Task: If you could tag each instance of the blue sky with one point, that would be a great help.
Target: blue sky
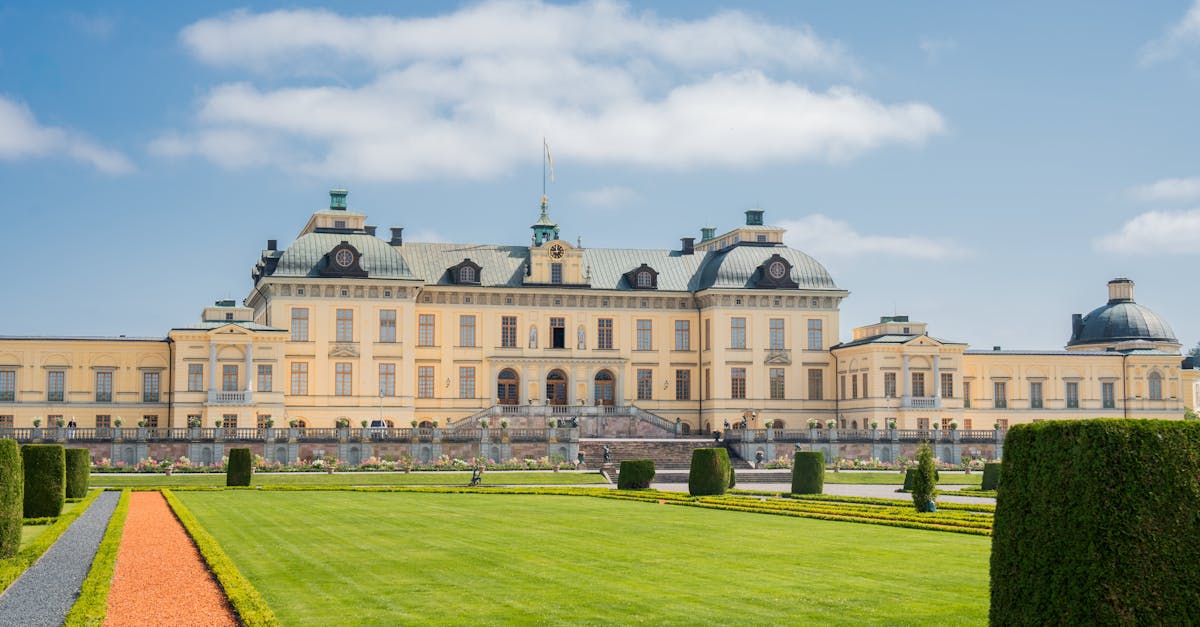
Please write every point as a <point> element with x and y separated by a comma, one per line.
<point>982,167</point>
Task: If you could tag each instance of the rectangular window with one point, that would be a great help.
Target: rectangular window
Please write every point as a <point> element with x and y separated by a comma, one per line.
<point>466,331</point>
<point>195,381</point>
<point>387,379</point>
<point>192,419</point>
<point>299,324</point>
<point>1108,394</point>
<point>1000,392</point>
<point>604,334</point>
<point>1035,394</point>
<point>266,378</point>
<point>103,421</point>
<point>918,384</point>
<point>1155,385</point>
<point>737,333</point>
<point>425,330</point>
<point>424,381</point>
<point>300,378</point>
<point>104,387</point>
<point>645,384</point>
<point>737,383</point>
<point>707,383</point>
<point>151,421</point>
<point>816,384</point>
<point>864,386</point>
<point>8,385</point>
<point>387,325</point>
<point>683,335</point>
<point>923,424</point>
<point>508,331</point>
<point>343,379</point>
<point>229,378</point>
<point>708,335</point>
<point>966,394</point>
<point>56,382</point>
<point>842,386</point>
<point>150,388</point>
<point>262,420</point>
<point>644,331</point>
<point>854,386</point>
<point>1072,395</point>
<point>947,385</point>
<point>683,385</point>
<point>556,273</point>
<point>558,332</point>
<point>229,421</point>
<point>775,340</point>
<point>466,381</point>
<point>967,424</point>
<point>777,387</point>
<point>815,341</point>
<point>6,422</point>
<point>889,384</point>
<point>345,325</point>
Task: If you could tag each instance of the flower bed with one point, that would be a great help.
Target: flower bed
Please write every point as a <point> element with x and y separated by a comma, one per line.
<point>372,464</point>
<point>785,463</point>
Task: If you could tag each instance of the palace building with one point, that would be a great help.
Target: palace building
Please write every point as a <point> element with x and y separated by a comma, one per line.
<point>344,325</point>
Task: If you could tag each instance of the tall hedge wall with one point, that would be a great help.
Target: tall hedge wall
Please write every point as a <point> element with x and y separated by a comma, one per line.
<point>635,474</point>
<point>237,472</point>
<point>79,472</point>
<point>45,479</point>
<point>709,473</point>
<point>991,476</point>
<point>1096,523</point>
<point>12,497</point>
<point>808,472</point>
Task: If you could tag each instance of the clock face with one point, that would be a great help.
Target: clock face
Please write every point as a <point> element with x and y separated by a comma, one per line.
<point>557,251</point>
<point>777,270</point>
<point>344,258</point>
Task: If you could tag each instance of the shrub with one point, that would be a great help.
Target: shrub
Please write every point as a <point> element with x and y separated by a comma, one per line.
<point>991,476</point>
<point>12,497</point>
<point>808,472</point>
<point>924,487</point>
<point>635,474</point>
<point>238,470</point>
<point>1096,524</point>
<point>45,479</point>
<point>910,476</point>
<point>79,471</point>
<point>709,473</point>
<point>732,477</point>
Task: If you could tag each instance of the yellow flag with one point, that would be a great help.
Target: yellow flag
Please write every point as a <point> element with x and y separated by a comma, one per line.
<point>549,160</point>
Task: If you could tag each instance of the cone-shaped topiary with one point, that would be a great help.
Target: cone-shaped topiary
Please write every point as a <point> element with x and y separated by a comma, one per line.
<point>732,476</point>
<point>709,473</point>
<point>237,473</point>
<point>991,476</point>
<point>924,488</point>
<point>910,476</point>
<point>45,479</point>
<point>635,474</point>
<point>79,472</point>
<point>12,497</point>
<point>808,472</point>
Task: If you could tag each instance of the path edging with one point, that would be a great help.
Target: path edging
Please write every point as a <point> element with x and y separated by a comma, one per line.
<point>12,568</point>
<point>91,607</point>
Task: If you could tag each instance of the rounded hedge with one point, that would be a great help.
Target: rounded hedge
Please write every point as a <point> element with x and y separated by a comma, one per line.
<point>991,476</point>
<point>12,497</point>
<point>237,472</point>
<point>709,474</point>
<point>45,479</point>
<point>808,472</point>
<point>1096,524</point>
<point>79,472</point>
<point>635,474</point>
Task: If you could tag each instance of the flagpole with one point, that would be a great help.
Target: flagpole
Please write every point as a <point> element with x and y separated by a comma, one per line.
<point>543,166</point>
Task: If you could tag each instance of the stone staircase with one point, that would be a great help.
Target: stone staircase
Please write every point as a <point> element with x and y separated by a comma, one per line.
<point>666,453</point>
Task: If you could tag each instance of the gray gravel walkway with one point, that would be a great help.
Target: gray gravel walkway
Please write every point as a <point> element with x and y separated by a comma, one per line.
<point>45,593</point>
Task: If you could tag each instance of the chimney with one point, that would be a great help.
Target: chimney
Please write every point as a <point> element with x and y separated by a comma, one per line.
<point>1076,325</point>
<point>687,245</point>
<point>754,217</point>
<point>272,244</point>
<point>337,199</point>
<point>397,236</point>
<point>707,233</point>
<point>370,229</point>
<point>1120,290</point>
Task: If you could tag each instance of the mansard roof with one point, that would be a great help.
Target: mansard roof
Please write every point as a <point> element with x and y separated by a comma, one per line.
<point>306,256</point>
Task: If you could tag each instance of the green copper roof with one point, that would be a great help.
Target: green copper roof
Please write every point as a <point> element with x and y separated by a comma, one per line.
<point>305,256</point>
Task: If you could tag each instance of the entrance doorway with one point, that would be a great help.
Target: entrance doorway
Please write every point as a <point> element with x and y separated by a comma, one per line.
<point>556,387</point>
<point>603,388</point>
<point>506,387</point>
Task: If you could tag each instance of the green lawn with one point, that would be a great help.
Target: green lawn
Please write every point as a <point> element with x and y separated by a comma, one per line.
<point>30,532</point>
<point>323,558</point>
<point>881,477</point>
<point>529,477</point>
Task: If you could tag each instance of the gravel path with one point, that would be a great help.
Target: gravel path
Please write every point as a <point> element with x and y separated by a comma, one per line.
<point>160,577</point>
<point>45,593</point>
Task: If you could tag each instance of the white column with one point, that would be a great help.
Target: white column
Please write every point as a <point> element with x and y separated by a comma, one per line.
<point>906,383</point>
<point>212,368</point>
<point>249,367</point>
<point>937,381</point>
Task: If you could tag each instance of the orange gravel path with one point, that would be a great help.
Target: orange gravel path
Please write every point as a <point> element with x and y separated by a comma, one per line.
<point>160,578</point>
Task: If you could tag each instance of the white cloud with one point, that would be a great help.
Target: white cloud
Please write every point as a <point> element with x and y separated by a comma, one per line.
<point>609,197</point>
<point>1179,36</point>
<point>470,94</point>
<point>1169,190</point>
<point>1155,232</point>
<point>824,237</point>
<point>21,137</point>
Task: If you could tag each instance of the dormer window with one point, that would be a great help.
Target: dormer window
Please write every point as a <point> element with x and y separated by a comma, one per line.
<point>344,260</point>
<point>644,280</point>
<point>776,272</point>
<point>466,275</point>
<point>466,272</point>
<point>642,277</point>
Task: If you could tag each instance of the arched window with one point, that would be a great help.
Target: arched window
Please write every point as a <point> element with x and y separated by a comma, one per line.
<point>644,279</point>
<point>466,274</point>
<point>1155,380</point>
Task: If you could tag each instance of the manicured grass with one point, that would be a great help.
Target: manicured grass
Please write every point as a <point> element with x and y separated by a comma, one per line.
<point>388,558</point>
<point>530,477</point>
<point>29,533</point>
<point>881,477</point>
